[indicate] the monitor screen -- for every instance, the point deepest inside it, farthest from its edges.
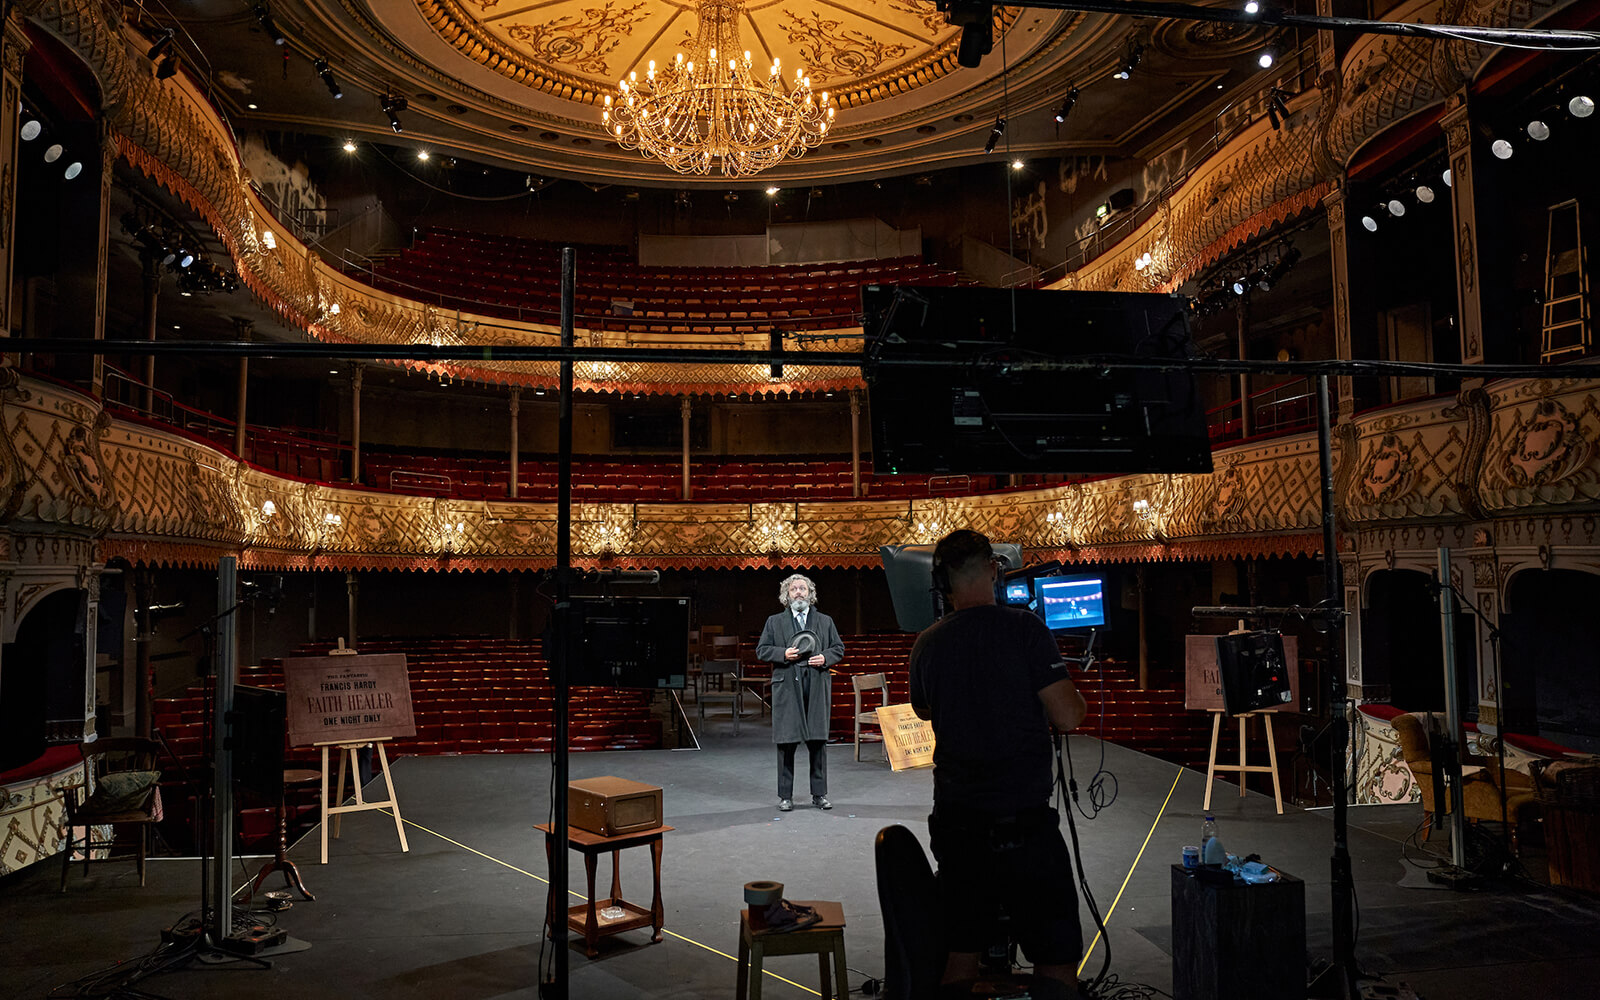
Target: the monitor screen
(1019, 593)
(1068, 602)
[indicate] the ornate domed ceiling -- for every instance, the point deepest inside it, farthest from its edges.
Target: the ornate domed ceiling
(522, 83)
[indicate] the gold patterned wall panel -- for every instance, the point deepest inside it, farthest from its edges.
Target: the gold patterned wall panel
(1542, 444)
(1408, 463)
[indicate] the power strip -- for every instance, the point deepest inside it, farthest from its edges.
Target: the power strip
(254, 939)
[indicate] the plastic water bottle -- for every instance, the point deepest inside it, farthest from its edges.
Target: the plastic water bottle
(1211, 852)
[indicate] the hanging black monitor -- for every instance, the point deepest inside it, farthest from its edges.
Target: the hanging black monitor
(630, 642)
(961, 381)
(1254, 674)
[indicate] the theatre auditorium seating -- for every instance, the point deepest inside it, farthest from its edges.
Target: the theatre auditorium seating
(521, 279)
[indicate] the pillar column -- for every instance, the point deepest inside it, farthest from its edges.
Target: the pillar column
(102, 232)
(355, 425)
(1246, 419)
(516, 459)
(684, 407)
(1339, 258)
(1464, 214)
(13, 46)
(855, 443)
(152, 293)
(1351, 576)
(1484, 590)
(242, 328)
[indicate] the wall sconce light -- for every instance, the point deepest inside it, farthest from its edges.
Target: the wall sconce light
(331, 523)
(1147, 517)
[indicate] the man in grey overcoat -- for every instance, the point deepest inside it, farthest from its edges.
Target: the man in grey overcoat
(801, 685)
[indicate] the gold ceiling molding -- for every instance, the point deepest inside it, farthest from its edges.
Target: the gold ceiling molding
(845, 59)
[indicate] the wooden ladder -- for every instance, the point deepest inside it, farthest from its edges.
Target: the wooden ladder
(1566, 284)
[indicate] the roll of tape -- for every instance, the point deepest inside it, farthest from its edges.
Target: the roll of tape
(762, 893)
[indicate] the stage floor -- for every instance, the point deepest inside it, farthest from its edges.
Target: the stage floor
(459, 916)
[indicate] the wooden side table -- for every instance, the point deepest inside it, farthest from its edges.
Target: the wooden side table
(585, 918)
(824, 938)
(280, 861)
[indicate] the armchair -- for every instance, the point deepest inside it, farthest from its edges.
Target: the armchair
(1480, 789)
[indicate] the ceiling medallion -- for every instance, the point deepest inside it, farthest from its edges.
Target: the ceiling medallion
(709, 110)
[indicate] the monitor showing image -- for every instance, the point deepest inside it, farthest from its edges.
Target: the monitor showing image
(1068, 602)
(1019, 593)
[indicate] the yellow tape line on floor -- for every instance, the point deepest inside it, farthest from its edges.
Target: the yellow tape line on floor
(1133, 868)
(579, 895)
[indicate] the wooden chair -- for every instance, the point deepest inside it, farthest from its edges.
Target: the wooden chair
(119, 789)
(861, 683)
(731, 670)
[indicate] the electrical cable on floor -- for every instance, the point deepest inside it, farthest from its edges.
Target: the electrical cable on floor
(1077, 861)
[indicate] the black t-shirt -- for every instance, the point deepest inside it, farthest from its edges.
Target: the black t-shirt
(976, 675)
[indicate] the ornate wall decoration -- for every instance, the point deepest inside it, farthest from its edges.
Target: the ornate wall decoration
(832, 51)
(1542, 444)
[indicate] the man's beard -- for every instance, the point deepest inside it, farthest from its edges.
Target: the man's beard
(799, 603)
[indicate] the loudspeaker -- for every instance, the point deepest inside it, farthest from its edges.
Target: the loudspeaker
(1253, 672)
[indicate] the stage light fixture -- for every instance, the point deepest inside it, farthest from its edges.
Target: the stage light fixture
(1130, 62)
(1447, 178)
(772, 192)
(1538, 131)
(167, 68)
(1067, 104)
(1277, 108)
(73, 170)
(422, 154)
(1501, 149)
(53, 152)
(162, 43)
(995, 133)
(1017, 164)
(349, 146)
(1396, 207)
(1369, 223)
(31, 130)
(1241, 284)
(1266, 58)
(1251, 7)
(1425, 194)
(326, 72)
(976, 20)
(268, 25)
(1580, 106)
(393, 104)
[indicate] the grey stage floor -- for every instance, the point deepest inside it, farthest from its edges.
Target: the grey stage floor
(459, 915)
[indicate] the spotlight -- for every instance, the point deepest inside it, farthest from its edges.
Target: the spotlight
(349, 146)
(1130, 62)
(1017, 164)
(1446, 178)
(185, 258)
(1277, 108)
(326, 72)
(162, 43)
(772, 192)
(1369, 223)
(73, 170)
(1252, 7)
(1501, 149)
(1396, 207)
(1538, 131)
(1266, 58)
(1241, 284)
(422, 154)
(976, 18)
(1425, 194)
(1580, 106)
(31, 130)
(167, 68)
(264, 17)
(1067, 104)
(995, 133)
(53, 152)
(393, 104)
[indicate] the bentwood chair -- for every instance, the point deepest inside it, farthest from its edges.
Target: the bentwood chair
(119, 789)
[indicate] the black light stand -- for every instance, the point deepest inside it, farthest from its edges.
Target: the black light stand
(1338, 981)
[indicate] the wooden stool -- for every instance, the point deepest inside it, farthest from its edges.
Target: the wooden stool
(821, 939)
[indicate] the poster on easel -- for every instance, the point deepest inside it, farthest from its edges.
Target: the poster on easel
(907, 740)
(1203, 675)
(347, 699)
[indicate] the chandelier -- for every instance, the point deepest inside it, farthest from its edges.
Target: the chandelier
(710, 109)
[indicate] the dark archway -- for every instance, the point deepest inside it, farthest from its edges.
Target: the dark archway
(1551, 656)
(1402, 646)
(42, 680)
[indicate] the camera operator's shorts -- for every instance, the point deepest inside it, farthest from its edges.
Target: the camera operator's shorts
(1015, 868)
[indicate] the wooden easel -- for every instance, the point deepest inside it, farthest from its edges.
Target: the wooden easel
(347, 752)
(1212, 767)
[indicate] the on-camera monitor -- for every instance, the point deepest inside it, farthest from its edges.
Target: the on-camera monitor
(1019, 594)
(1068, 602)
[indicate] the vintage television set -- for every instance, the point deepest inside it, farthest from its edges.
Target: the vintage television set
(613, 806)
(991, 380)
(1254, 674)
(629, 642)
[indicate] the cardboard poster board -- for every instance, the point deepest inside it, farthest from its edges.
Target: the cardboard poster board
(907, 740)
(1203, 687)
(347, 699)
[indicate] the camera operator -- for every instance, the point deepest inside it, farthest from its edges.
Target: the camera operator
(991, 680)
